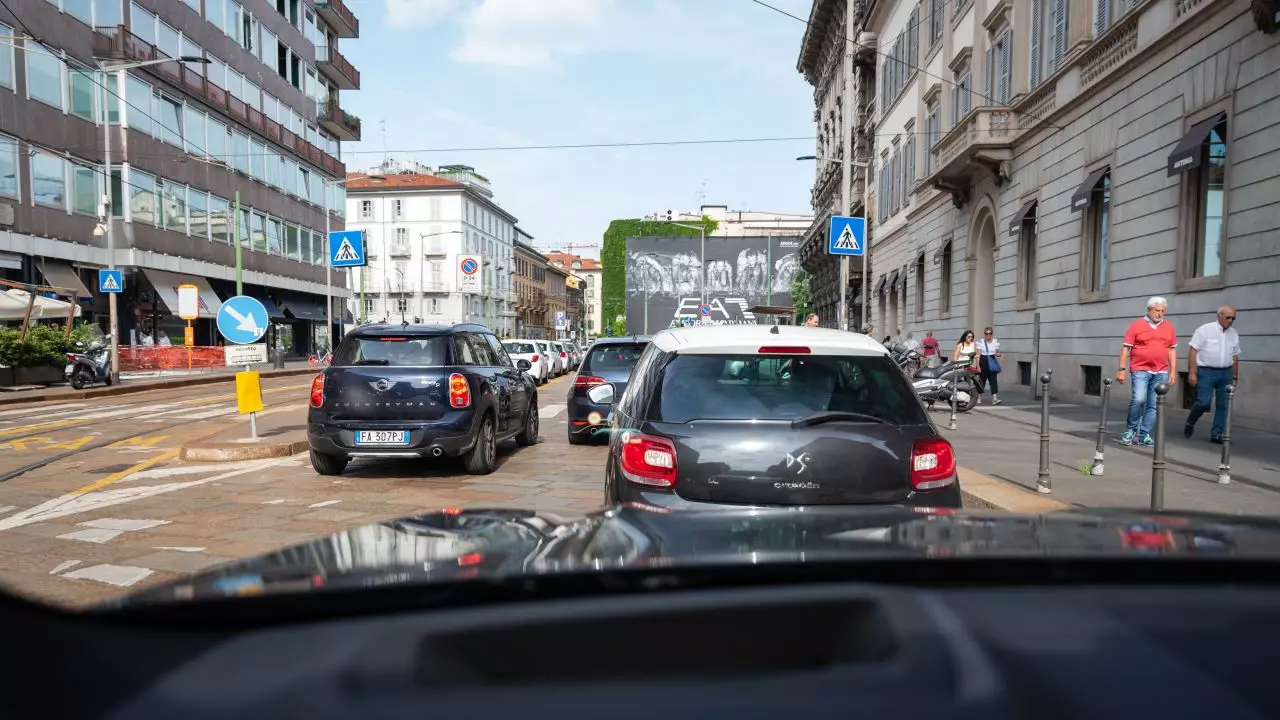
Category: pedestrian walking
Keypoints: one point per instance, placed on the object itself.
(989, 365)
(930, 349)
(966, 350)
(1213, 362)
(1150, 354)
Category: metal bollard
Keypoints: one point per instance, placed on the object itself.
(951, 424)
(1043, 483)
(1096, 468)
(1224, 466)
(1157, 457)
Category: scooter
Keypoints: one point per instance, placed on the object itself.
(88, 366)
(938, 384)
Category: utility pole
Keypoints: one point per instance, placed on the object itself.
(846, 159)
(112, 303)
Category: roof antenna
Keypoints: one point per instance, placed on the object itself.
(773, 329)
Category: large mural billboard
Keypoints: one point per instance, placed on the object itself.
(664, 281)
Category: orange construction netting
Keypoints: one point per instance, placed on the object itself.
(170, 357)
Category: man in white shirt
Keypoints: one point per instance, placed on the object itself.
(1214, 362)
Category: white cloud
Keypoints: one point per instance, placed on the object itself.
(412, 14)
(533, 33)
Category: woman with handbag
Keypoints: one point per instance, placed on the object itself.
(989, 365)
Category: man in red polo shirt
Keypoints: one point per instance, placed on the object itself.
(1150, 352)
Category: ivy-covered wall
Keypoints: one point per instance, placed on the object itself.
(613, 257)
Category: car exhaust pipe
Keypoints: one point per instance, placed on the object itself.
(436, 452)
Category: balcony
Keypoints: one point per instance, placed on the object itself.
(339, 122)
(982, 142)
(434, 248)
(435, 286)
(340, 72)
(344, 22)
(117, 43)
(399, 249)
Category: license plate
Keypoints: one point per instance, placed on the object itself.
(68, 369)
(382, 437)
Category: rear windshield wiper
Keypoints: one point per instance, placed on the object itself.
(835, 416)
(372, 362)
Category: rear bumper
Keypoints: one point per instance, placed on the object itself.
(579, 410)
(451, 436)
(948, 497)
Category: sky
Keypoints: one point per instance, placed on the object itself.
(452, 74)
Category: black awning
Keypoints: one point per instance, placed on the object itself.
(261, 295)
(1186, 156)
(1028, 212)
(880, 285)
(1080, 199)
(893, 281)
(302, 308)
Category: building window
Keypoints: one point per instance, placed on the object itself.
(1048, 38)
(402, 235)
(275, 239)
(142, 198)
(932, 132)
(366, 209)
(86, 189)
(1094, 198)
(44, 74)
(49, 180)
(8, 166)
(1107, 12)
(167, 114)
(944, 287)
(174, 206)
(999, 66)
(911, 162)
(6, 58)
(198, 212)
(1201, 158)
(369, 307)
(920, 286)
(397, 210)
(937, 15)
(961, 96)
(1028, 267)
(219, 220)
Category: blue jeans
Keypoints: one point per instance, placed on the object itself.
(1142, 401)
(1211, 386)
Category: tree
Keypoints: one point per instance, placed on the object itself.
(613, 258)
(800, 297)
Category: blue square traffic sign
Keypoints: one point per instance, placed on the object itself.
(110, 281)
(847, 236)
(346, 249)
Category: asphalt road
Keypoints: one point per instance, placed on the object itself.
(94, 500)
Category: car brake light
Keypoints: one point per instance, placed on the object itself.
(535, 359)
(317, 391)
(586, 382)
(648, 460)
(562, 353)
(459, 391)
(783, 350)
(933, 464)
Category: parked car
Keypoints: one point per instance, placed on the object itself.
(608, 362)
(395, 391)
(758, 415)
(528, 350)
(556, 363)
(566, 362)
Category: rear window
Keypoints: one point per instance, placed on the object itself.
(782, 387)
(519, 348)
(618, 356)
(397, 351)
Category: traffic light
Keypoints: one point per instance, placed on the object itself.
(669, 216)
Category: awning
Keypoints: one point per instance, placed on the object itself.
(302, 308)
(13, 307)
(1028, 212)
(1080, 200)
(63, 276)
(1187, 155)
(166, 285)
(880, 285)
(261, 295)
(893, 281)
(10, 261)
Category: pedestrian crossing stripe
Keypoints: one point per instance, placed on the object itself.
(346, 252)
(109, 283)
(846, 241)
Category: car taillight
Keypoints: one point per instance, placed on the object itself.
(317, 391)
(459, 391)
(783, 350)
(561, 353)
(535, 359)
(71, 358)
(586, 382)
(648, 460)
(933, 464)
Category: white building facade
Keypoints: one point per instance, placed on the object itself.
(419, 228)
(1044, 166)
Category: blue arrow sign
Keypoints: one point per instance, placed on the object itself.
(242, 320)
(110, 281)
(346, 249)
(846, 236)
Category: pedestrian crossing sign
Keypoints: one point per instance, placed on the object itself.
(847, 236)
(346, 249)
(110, 281)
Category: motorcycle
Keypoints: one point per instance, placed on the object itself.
(939, 384)
(88, 366)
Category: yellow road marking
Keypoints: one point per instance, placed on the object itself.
(40, 426)
(21, 444)
(116, 477)
(145, 441)
(70, 444)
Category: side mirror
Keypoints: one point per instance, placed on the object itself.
(79, 343)
(523, 365)
(601, 394)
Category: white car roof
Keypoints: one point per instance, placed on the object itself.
(748, 339)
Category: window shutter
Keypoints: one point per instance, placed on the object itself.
(1059, 31)
(955, 103)
(913, 37)
(1037, 19)
(1101, 16)
(1006, 57)
(911, 163)
(988, 76)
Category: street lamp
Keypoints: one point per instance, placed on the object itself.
(866, 242)
(702, 231)
(422, 259)
(118, 70)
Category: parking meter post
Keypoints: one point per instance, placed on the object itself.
(1224, 465)
(1157, 456)
(1097, 467)
(1043, 483)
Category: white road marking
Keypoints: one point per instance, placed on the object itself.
(165, 472)
(273, 502)
(117, 575)
(6, 508)
(180, 549)
(93, 535)
(123, 525)
(65, 565)
(43, 409)
(550, 411)
(324, 504)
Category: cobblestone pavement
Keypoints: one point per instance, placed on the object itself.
(95, 501)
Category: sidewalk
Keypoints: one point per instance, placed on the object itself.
(282, 432)
(144, 382)
(1003, 442)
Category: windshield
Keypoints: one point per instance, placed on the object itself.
(613, 357)
(398, 351)
(520, 348)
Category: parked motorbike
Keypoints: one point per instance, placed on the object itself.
(938, 384)
(89, 366)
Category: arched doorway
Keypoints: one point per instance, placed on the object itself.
(982, 275)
